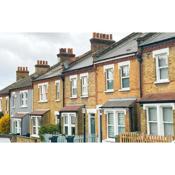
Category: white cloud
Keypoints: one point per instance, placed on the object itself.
(24, 49)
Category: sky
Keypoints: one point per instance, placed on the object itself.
(24, 49)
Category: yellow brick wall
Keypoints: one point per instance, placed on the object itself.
(102, 96)
(149, 74)
(5, 107)
(52, 104)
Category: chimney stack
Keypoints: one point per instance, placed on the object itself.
(22, 72)
(66, 55)
(41, 67)
(100, 41)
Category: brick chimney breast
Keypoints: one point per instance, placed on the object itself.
(22, 72)
(41, 67)
(100, 41)
(66, 55)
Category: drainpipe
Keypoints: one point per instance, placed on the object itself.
(139, 59)
(84, 119)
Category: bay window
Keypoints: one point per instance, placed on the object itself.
(160, 119)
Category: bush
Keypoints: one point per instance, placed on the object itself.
(5, 124)
(48, 129)
(1, 114)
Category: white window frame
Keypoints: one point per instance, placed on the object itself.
(156, 55)
(69, 124)
(57, 84)
(7, 103)
(37, 126)
(56, 117)
(43, 92)
(160, 122)
(0, 104)
(13, 99)
(17, 129)
(84, 86)
(116, 126)
(106, 68)
(120, 65)
(24, 100)
(73, 77)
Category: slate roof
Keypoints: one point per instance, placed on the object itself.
(54, 71)
(39, 112)
(120, 103)
(23, 83)
(83, 61)
(158, 97)
(126, 46)
(71, 108)
(157, 37)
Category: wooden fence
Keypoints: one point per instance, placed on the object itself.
(135, 137)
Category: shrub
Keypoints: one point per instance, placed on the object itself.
(48, 129)
(5, 124)
(1, 114)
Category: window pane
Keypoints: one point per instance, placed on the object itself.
(168, 129)
(66, 119)
(33, 121)
(109, 73)
(34, 130)
(125, 82)
(73, 130)
(167, 114)
(39, 121)
(125, 71)
(152, 114)
(110, 131)
(73, 119)
(66, 130)
(164, 73)
(162, 61)
(110, 84)
(121, 130)
(110, 118)
(121, 119)
(153, 129)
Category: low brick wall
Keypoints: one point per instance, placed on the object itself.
(22, 139)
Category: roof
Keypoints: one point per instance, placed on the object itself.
(158, 97)
(22, 83)
(157, 37)
(120, 103)
(83, 61)
(19, 115)
(126, 46)
(39, 112)
(54, 71)
(71, 108)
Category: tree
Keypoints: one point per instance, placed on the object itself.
(5, 124)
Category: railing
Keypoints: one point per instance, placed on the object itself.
(135, 137)
(63, 139)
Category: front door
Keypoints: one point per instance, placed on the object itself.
(92, 124)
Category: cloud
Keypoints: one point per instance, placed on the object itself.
(24, 49)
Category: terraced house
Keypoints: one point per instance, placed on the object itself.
(79, 113)
(48, 93)
(157, 105)
(21, 98)
(117, 87)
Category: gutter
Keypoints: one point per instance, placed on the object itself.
(115, 58)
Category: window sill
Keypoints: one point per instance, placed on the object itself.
(84, 96)
(124, 89)
(73, 97)
(108, 91)
(58, 100)
(36, 136)
(161, 82)
(23, 106)
(42, 101)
